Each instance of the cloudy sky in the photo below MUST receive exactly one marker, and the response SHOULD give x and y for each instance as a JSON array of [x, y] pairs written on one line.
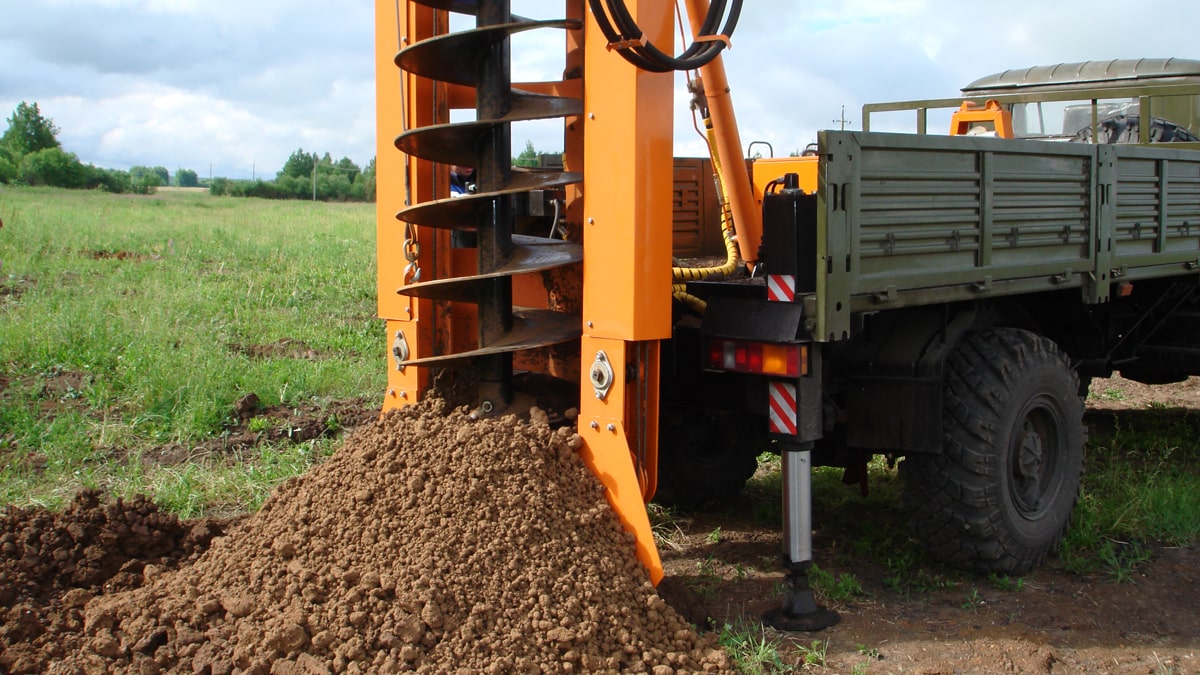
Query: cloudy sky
[[237, 85]]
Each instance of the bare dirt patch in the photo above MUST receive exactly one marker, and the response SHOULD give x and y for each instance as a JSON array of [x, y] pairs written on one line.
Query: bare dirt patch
[[13, 289], [252, 424], [284, 348], [121, 255]]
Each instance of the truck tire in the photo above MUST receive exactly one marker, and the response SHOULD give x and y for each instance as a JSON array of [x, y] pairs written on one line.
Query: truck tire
[[999, 497], [704, 458]]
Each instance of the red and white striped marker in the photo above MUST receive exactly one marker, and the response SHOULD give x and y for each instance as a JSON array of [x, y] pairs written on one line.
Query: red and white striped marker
[[783, 408], [781, 288]]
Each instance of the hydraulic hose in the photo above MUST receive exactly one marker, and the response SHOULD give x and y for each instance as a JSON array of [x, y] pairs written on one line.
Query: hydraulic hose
[[626, 36], [727, 229], [681, 275]]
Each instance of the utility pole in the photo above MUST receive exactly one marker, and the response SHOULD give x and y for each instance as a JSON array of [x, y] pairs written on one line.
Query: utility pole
[[842, 120], [314, 176]]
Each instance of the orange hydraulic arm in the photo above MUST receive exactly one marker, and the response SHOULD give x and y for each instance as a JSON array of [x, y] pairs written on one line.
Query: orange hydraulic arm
[[747, 218]]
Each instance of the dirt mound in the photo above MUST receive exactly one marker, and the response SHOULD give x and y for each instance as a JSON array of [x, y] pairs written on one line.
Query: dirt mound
[[51, 564], [428, 542]]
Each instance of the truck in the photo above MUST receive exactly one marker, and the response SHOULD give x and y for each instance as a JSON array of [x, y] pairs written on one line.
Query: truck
[[940, 300]]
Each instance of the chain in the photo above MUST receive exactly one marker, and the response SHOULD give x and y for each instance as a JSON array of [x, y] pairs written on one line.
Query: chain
[[412, 251]]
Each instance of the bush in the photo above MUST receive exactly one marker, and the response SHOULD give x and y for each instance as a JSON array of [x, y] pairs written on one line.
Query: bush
[[108, 180], [54, 167], [8, 170]]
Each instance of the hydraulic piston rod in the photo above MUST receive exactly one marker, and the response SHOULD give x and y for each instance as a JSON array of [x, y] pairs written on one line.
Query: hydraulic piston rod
[[800, 610]]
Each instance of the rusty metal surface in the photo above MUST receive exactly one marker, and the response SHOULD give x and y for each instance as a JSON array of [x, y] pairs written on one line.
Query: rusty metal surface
[[531, 328], [530, 254], [462, 213]]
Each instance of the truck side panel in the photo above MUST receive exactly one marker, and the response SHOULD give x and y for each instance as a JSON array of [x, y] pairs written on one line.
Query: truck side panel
[[1157, 222], [919, 220]]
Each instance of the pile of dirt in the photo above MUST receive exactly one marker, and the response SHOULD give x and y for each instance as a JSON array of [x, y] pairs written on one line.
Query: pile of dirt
[[52, 564], [428, 543]]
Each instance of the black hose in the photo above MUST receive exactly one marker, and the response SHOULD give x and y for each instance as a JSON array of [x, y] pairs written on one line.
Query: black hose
[[645, 55]]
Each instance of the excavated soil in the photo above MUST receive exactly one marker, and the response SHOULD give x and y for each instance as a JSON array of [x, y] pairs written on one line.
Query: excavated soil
[[428, 543]]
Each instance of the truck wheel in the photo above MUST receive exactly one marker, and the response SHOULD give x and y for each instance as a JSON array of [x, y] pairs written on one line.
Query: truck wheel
[[704, 458], [999, 497]]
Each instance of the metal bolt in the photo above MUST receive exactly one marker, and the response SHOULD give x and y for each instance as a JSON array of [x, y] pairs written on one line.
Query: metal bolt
[[487, 406], [408, 310], [612, 427], [391, 392], [595, 424], [589, 324], [591, 116], [404, 394]]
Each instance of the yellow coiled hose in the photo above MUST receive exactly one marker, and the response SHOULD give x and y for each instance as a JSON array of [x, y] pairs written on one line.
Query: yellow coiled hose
[[681, 275]]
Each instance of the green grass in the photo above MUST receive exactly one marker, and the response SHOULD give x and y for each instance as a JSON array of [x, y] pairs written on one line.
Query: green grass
[[1141, 485], [752, 650], [124, 322]]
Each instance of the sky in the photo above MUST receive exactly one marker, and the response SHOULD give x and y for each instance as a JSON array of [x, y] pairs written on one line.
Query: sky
[[232, 88]]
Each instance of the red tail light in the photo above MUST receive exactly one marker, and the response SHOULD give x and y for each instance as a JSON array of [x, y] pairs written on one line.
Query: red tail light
[[759, 358]]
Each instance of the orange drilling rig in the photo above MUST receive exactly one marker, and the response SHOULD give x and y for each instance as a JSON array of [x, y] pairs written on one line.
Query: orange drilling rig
[[542, 277], [940, 300]]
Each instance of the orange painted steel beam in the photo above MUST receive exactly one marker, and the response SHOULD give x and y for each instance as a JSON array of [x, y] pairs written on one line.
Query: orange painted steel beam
[[402, 102], [628, 180]]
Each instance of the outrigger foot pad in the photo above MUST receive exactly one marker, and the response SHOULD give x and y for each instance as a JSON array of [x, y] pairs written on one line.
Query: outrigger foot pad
[[800, 611]]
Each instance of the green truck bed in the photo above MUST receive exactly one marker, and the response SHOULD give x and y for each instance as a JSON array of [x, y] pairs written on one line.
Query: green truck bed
[[906, 220]]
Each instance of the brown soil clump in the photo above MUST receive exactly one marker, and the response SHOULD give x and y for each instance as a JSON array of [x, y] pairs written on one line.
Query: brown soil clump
[[52, 564], [428, 543]]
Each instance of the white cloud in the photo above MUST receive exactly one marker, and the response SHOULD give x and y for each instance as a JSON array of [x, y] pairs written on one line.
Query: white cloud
[[183, 83]]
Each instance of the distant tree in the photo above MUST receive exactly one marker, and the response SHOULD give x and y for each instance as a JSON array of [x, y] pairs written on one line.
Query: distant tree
[[146, 180], [348, 168], [364, 184], [528, 156], [299, 164], [28, 131], [186, 178]]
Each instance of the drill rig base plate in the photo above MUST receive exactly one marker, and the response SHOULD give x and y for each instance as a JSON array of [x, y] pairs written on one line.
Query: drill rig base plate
[[818, 619]]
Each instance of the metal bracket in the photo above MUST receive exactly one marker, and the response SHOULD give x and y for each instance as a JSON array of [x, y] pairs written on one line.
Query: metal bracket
[[602, 375], [400, 350]]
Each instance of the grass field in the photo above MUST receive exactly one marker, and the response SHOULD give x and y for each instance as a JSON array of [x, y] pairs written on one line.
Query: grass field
[[130, 323]]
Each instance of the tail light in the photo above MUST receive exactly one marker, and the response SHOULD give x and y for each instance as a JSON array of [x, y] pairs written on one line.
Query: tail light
[[758, 358]]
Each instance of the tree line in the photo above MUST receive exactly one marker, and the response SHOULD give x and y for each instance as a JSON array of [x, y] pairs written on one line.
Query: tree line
[[306, 175], [31, 154]]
